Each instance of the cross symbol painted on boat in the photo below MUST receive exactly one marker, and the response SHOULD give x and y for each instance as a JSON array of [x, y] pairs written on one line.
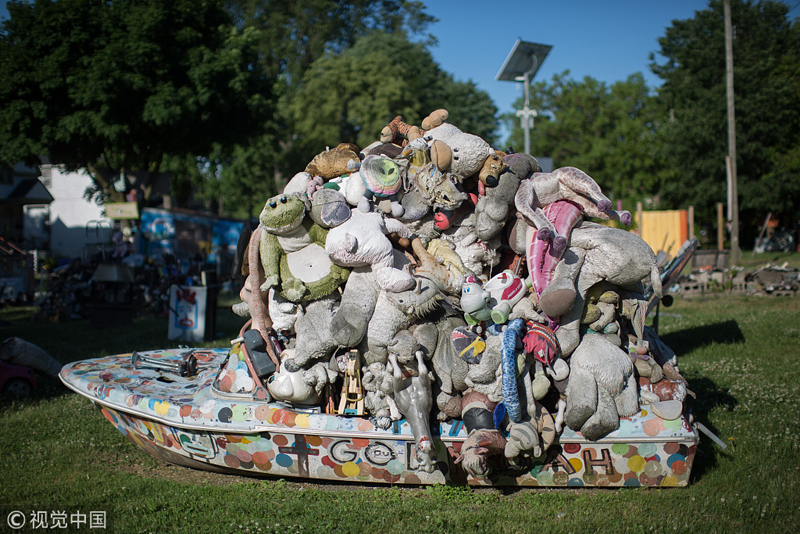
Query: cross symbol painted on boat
[[303, 451]]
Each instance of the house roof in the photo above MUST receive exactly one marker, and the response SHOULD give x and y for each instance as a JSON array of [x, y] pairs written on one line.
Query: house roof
[[28, 191]]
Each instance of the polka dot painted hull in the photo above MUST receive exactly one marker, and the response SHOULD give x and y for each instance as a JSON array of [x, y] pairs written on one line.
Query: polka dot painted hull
[[193, 422]]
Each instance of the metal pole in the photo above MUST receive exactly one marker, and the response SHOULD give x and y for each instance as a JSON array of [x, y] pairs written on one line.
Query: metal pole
[[733, 194]]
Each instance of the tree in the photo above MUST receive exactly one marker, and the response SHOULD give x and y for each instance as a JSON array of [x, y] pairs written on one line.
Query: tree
[[293, 34], [351, 96], [766, 48], [608, 132], [120, 86]]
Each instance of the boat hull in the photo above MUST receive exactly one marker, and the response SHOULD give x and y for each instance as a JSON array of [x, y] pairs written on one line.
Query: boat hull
[[184, 423]]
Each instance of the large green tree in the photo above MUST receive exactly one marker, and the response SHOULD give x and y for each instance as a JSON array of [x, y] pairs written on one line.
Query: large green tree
[[607, 131], [120, 86], [766, 62], [351, 96]]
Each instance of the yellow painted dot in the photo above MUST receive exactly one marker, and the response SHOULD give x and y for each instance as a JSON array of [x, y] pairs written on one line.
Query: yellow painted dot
[[350, 469], [162, 408], [644, 413], [636, 463], [302, 421], [576, 464], [669, 481]]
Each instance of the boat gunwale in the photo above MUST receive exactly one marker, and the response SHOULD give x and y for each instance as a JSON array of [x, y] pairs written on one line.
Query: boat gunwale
[[349, 433]]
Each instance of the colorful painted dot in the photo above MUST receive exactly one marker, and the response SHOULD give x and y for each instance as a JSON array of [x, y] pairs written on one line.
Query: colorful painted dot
[[576, 464], [395, 467], [545, 478], [302, 421], [646, 450], [350, 469], [575, 482], [636, 463], [653, 469], [675, 458], [669, 482], [284, 460], [620, 448]]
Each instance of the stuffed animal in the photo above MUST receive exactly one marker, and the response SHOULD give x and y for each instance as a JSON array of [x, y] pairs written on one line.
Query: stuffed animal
[[494, 300], [597, 253], [602, 388], [328, 207], [494, 207], [292, 252], [332, 163], [469, 151], [362, 241], [414, 398], [302, 387], [492, 169], [381, 179], [566, 183]]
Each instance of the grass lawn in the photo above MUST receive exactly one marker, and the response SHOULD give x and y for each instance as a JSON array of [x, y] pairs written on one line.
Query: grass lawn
[[741, 356]]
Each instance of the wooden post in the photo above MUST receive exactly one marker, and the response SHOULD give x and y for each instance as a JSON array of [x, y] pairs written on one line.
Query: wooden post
[[690, 217], [639, 217], [734, 194], [720, 227]]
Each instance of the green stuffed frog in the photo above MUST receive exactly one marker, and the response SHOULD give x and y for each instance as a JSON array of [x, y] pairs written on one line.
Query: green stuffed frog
[[292, 251]]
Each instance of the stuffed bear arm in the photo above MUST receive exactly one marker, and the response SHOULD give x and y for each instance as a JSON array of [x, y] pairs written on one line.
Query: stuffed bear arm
[[393, 226]]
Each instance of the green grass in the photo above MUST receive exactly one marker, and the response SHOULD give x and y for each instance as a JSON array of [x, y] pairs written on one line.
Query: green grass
[[740, 355]]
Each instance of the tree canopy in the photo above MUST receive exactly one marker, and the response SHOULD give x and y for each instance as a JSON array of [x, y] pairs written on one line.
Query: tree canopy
[[119, 86], [766, 60], [608, 131], [357, 92]]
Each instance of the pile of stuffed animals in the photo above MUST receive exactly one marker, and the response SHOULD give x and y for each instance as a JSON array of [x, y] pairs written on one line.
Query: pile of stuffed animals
[[469, 285]]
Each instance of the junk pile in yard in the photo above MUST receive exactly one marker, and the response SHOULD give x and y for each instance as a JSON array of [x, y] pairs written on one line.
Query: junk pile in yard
[[769, 280]]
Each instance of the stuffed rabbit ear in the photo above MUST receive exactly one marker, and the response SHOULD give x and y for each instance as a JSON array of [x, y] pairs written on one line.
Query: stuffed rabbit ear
[[458, 459]]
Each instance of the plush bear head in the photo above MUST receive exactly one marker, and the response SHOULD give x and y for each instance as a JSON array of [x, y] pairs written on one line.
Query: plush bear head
[[492, 168], [523, 165]]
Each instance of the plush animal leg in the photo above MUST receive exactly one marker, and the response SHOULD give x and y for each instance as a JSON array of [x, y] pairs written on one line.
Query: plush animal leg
[[527, 204], [561, 407], [414, 399], [258, 310]]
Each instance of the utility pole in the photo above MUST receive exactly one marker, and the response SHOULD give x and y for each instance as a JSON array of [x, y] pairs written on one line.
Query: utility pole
[[733, 194]]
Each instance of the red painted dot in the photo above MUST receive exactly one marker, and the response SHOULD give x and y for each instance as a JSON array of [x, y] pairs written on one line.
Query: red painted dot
[[280, 440], [572, 448]]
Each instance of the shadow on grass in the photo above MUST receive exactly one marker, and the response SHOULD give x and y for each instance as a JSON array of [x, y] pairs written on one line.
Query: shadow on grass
[[709, 396], [685, 341]]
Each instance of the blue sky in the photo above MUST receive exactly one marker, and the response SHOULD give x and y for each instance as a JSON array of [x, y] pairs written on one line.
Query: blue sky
[[605, 39]]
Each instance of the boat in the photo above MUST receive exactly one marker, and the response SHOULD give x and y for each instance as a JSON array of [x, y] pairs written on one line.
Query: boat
[[173, 405]]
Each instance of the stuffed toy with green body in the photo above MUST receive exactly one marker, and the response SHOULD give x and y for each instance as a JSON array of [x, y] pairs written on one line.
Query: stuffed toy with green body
[[292, 251]]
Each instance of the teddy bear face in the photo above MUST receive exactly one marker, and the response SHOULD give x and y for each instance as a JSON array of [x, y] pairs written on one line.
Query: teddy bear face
[[282, 214]]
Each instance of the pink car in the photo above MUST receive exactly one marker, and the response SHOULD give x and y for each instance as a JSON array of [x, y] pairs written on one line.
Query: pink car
[[16, 380]]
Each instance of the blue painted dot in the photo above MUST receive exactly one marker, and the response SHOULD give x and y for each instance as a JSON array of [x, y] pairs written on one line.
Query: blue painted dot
[[633, 482], [675, 458], [284, 460], [575, 482]]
